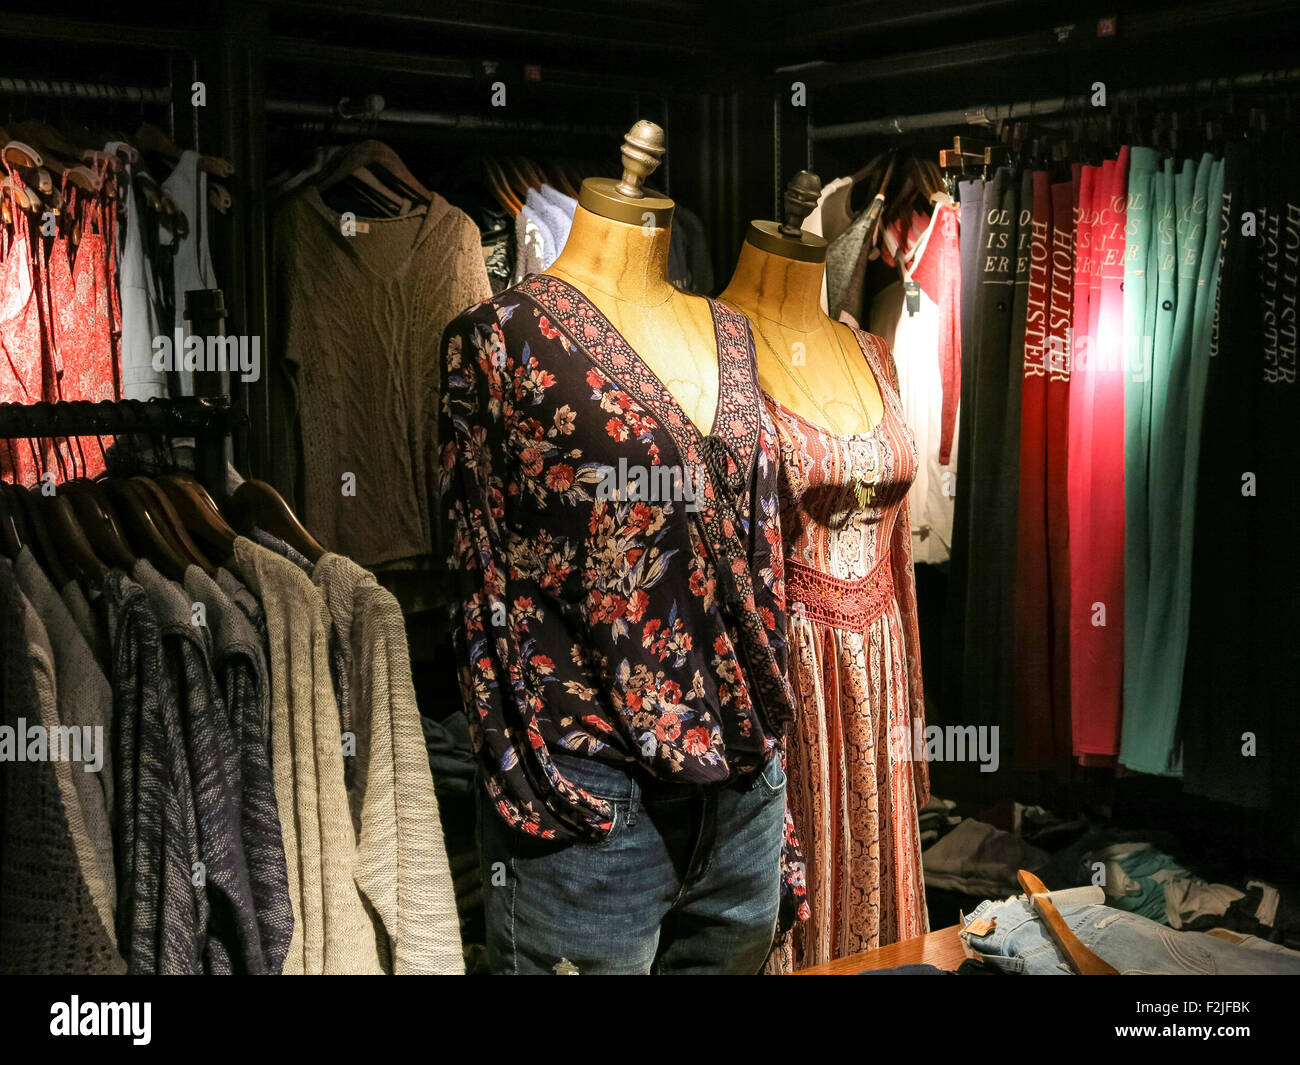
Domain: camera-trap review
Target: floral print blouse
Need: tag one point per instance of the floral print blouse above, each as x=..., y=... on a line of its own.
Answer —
x=621, y=590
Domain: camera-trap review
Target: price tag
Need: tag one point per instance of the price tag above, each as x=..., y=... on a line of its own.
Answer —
x=912, y=294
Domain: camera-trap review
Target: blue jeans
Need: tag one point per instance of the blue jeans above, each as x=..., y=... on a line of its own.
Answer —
x=687, y=881
x=1132, y=944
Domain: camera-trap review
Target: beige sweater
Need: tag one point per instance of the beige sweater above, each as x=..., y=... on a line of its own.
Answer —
x=333, y=932
x=362, y=319
x=401, y=860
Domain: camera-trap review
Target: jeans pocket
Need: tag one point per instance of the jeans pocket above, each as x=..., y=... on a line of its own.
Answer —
x=772, y=775
x=620, y=824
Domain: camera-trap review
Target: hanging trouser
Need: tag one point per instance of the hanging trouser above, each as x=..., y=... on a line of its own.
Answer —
x=1083, y=603
x=1099, y=608
x=993, y=478
x=1057, y=446
x=1150, y=745
x=1140, y=271
x=1222, y=710
x=1039, y=718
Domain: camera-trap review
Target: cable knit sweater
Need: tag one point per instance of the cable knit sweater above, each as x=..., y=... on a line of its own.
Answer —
x=401, y=860
x=333, y=931
x=362, y=318
x=159, y=908
x=239, y=664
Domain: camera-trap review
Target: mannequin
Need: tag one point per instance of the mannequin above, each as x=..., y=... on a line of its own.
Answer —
x=617, y=256
x=618, y=625
x=848, y=462
x=806, y=362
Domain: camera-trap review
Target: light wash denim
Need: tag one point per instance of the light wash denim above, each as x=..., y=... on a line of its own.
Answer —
x=687, y=881
x=1132, y=944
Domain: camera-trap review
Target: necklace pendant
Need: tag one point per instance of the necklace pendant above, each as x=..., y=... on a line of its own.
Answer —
x=865, y=491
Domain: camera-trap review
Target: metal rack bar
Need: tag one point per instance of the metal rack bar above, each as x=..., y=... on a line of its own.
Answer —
x=1038, y=108
x=209, y=420
x=188, y=416
x=82, y=90
x=328, y=118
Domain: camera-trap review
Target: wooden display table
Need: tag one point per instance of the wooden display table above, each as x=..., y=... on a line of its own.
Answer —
x=942, y=949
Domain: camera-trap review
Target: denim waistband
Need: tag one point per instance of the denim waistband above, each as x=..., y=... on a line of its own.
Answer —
x=632, y=783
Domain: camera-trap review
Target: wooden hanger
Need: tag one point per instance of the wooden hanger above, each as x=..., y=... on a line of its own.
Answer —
x=371, y=154
x=142, y=527
x=219, y=197
x=57, y=153
x=200, y=515
x=558, y=179
x=152, y=139
x=1083, y=961
x=71, y=541
x=175, y=217
x=382, y=201
x=12, y=537
x=26, y=198
x=172, y=524
x=99, y=522
x=149, y=189
x=16, y=153
x=40, y=541
x=500, y=188
x=257, y=503
x=526, y=173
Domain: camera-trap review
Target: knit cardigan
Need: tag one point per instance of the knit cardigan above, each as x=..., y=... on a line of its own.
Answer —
x=228, y=933
x=333, y=931
x=49, y=923
x=159, y=909
x=84, y=701
x=239, y=663
x=401, y=860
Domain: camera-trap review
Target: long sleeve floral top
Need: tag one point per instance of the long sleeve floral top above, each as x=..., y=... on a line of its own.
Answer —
x=622, y=595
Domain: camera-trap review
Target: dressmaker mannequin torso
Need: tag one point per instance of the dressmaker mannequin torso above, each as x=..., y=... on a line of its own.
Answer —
x=806, y=362
x=623, y=269
x=617, y=256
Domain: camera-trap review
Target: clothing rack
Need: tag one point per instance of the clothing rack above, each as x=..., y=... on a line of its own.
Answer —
x=1038, y=108
x=209, y=420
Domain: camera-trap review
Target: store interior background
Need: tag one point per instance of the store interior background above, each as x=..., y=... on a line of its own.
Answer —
x=718, y=77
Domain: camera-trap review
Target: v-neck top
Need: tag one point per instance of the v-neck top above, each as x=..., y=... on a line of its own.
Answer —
x=621, y=589
x=360, y=319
